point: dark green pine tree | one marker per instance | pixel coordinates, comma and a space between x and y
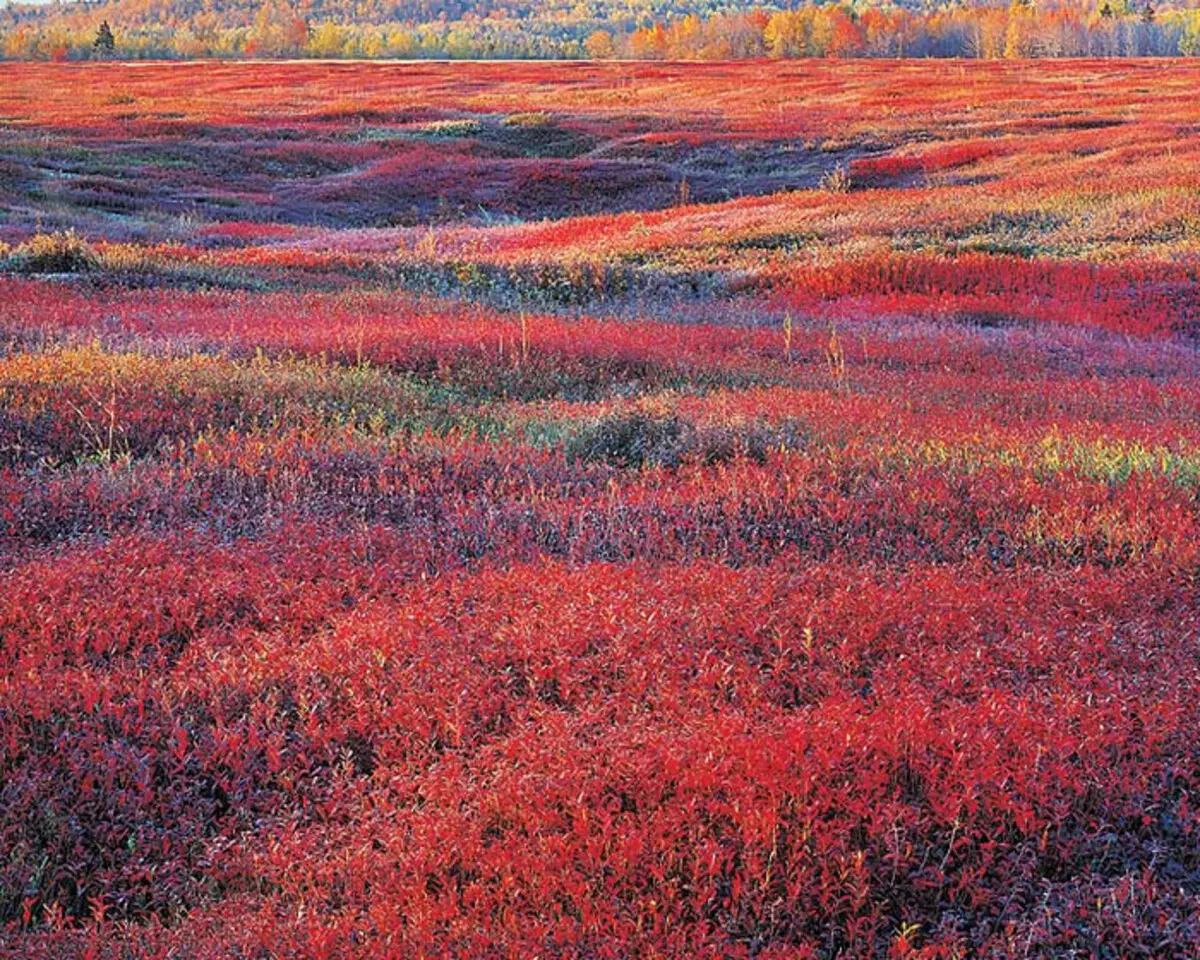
105, 43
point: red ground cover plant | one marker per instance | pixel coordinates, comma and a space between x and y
599, 511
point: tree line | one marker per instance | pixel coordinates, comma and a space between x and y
143, 29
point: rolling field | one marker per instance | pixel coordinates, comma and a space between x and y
600, 510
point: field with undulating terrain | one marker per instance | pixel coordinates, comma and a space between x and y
600, 511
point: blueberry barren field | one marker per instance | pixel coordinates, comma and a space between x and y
600, 511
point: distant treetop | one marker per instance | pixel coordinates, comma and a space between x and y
595, 29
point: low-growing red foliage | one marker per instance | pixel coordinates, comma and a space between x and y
467, 527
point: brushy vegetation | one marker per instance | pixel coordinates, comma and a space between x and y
428, 528
60, 252
639, 440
